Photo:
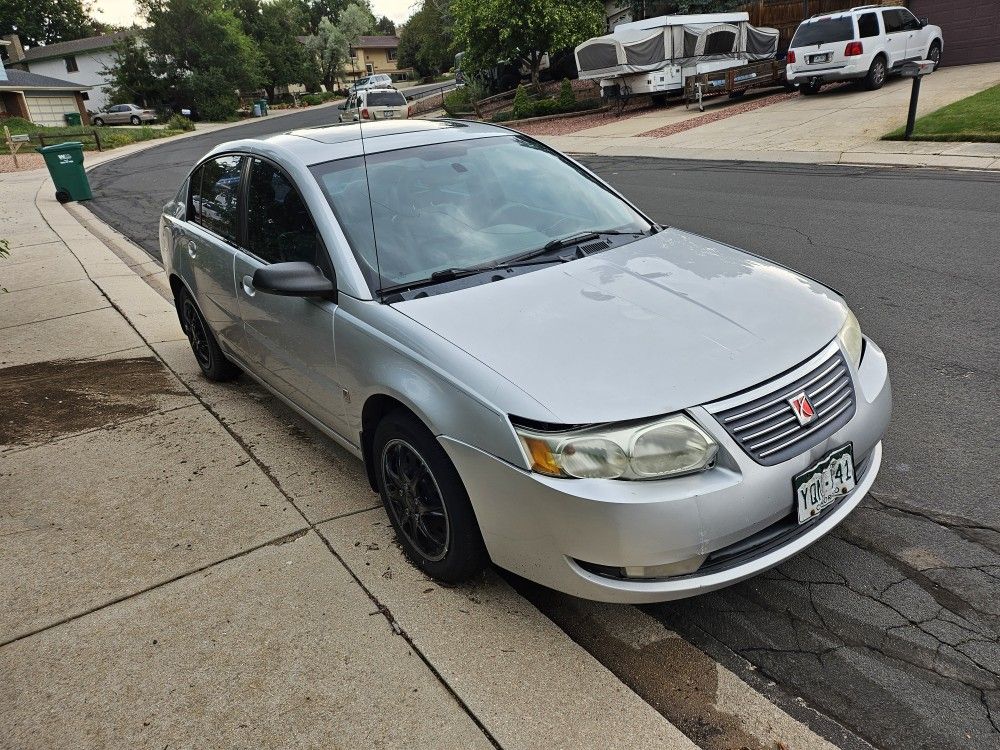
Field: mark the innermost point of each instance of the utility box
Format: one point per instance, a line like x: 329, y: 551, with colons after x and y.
x: 65, y: 164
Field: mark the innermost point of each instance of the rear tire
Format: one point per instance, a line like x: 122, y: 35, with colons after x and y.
x: 207, y: 354
x: 135, y: 120
x: 810, y: 88
x: 426, y: 500
x: 876, y: 74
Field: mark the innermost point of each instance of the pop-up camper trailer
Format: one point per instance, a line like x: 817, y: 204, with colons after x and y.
x: 656, y: 55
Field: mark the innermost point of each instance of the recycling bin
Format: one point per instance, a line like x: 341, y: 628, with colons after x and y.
x: 65, y: 164
x: 73, y: 119
x: 263, y: 106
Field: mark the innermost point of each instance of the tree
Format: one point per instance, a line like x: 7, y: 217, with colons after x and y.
x: 198, y: 55
x: 46, y: 21
x: 285, y: 60
x: 384, y: 25
x: 495, y: 31
x: 132, y: 80
x: 426, y: 39
x: 331, y: 44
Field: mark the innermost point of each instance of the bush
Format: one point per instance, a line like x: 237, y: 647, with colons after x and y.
x: 311, y: 100
x: 458, y: 101
x: 567, y: 99
x: 503, y: 116
x: 544, y: 107
x: 523, y: 106
x: 180, y: 122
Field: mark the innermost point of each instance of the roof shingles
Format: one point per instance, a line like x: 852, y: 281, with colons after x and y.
x: 75, y: 46
x: 20, y: 80
x: 376, y: 42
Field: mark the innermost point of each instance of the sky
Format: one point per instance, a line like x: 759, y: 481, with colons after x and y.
x: 122, y: 12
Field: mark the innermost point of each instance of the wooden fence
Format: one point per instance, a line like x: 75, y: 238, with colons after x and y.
x: 786, y: 15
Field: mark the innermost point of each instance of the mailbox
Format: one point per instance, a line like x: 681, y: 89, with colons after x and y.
x: 917, y: 68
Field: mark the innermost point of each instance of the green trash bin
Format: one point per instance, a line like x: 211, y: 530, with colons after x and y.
x: 263, y: 106
x: 65, y: 163
x: 73, y: 119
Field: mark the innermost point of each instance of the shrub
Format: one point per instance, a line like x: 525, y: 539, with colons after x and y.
x: 567, y: 99
x: 545, y: 107
x: 457, y: 101
x: 503, y: 116
x: 180, y: 122
x: 523, y: 106
x: 311, y: 100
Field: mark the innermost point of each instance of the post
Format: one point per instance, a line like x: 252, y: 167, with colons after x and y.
x: 911, y: 116
x: 10, y: 145
x: 97, y: 139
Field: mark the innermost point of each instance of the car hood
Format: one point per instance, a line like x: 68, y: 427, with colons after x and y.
x: 670, y: 321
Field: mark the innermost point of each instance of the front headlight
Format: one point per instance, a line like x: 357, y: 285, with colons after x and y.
x: 850, y: 338
x: 666, y: 447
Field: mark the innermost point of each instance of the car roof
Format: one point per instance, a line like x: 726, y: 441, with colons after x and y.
x: 328, y: 142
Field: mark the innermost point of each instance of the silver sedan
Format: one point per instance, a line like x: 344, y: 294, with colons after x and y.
x: 124, y: 114
x: 533, y: 372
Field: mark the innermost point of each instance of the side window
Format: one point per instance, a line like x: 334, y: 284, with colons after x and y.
x: 893, y: 21
x: 909, y: 21
x: 867, y: 25
x: 194, y: 195
x: 217, y: 207
x: 279, y: 227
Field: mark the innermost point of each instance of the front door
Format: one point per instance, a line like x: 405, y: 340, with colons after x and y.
x: 291, y: 338
x: 208, y: 246
x: 896, y: 35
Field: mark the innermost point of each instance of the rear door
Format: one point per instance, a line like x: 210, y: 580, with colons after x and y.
x: 820, y: 44
x: 290, y: 338
x: 385, y: 104
x: 208, y: 246
x: 896, y: 34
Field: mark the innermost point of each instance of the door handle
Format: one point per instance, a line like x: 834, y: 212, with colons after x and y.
x: 248, y: 286
x: 192, y: 249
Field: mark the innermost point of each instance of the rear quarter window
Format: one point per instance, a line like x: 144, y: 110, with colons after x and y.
x: 868, y: 25
x: 824, y: 31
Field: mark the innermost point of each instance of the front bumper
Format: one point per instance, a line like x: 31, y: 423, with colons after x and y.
x: 540, y: 527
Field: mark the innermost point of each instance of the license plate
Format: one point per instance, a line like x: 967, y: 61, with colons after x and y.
x: 820, y: 58
x: 826, y: 481
x: 388, y: 115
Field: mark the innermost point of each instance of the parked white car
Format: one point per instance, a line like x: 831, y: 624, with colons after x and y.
x: 379, y: 80
x: 863, y: 44
x: 374, y: 104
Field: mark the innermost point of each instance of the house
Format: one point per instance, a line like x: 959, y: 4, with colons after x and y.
x: 41, y: 99
x: 80, y: 61
x: 376, y: 54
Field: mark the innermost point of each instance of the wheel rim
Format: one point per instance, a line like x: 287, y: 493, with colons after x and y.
x: 935, y: 55
x: 879, y: 76
x: 197, y: 335
x: 135, y: 120
x: 414, y: 500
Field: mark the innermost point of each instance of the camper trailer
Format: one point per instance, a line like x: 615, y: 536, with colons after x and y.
x: 656, y: 55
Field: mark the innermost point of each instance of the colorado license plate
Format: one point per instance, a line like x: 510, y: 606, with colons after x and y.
x: 827, y: 480
x: 820, y: 58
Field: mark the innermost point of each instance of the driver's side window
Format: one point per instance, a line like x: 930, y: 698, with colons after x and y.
x: 279, y: 227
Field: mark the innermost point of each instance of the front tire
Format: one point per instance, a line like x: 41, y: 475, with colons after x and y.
x: 97, y: 122
x: 426, y: 501
x: 934, y: 54
x: 211, y: 360
x: 876, y: 74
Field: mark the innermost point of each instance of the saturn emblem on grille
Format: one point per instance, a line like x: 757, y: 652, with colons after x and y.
x: 804, y: 411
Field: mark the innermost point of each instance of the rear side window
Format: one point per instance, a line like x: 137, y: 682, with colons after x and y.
x: 386, y: 99
x: 824, y: 31
x: 867, y: 25
x: 279, y: 227
x: 214, y: 197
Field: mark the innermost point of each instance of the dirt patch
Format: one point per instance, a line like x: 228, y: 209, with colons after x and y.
x: 48, y: 399
x: 582, y: 122
x: 721, y: 114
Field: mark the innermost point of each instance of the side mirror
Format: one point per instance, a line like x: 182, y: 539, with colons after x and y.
x: 294, y: 279
x: 924, y: 22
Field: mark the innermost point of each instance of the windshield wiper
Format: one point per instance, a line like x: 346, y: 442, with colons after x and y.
x: 570, y: 240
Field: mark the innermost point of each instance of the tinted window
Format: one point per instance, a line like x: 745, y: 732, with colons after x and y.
x: 279, y: 227
x: 909, y: 21
x: 867, y: 25
x: 894, y: 21
x: 824, y: 31
x: 214, y: 199
x: 386, y: 99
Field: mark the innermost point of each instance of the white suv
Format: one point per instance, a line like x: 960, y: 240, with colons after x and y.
x: 863, y: 44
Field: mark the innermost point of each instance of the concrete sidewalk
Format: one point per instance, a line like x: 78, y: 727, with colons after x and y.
x: 188, y: 564
x: 841, y: 125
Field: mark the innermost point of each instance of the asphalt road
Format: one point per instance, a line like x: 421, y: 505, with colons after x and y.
x: 889, y: 626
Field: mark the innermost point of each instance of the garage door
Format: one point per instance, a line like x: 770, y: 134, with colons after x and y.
x: 970, y: 28
x: 49, y: 110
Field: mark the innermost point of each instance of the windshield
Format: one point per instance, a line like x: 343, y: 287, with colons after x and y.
x: 824, y: 31
x: 462, y: 204
x: 386, y: 99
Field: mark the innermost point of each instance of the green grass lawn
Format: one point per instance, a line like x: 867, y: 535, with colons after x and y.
x: 975, y: 118
x: 110, y: 137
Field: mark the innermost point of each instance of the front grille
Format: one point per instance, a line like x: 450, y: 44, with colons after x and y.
x: 767, y: 429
